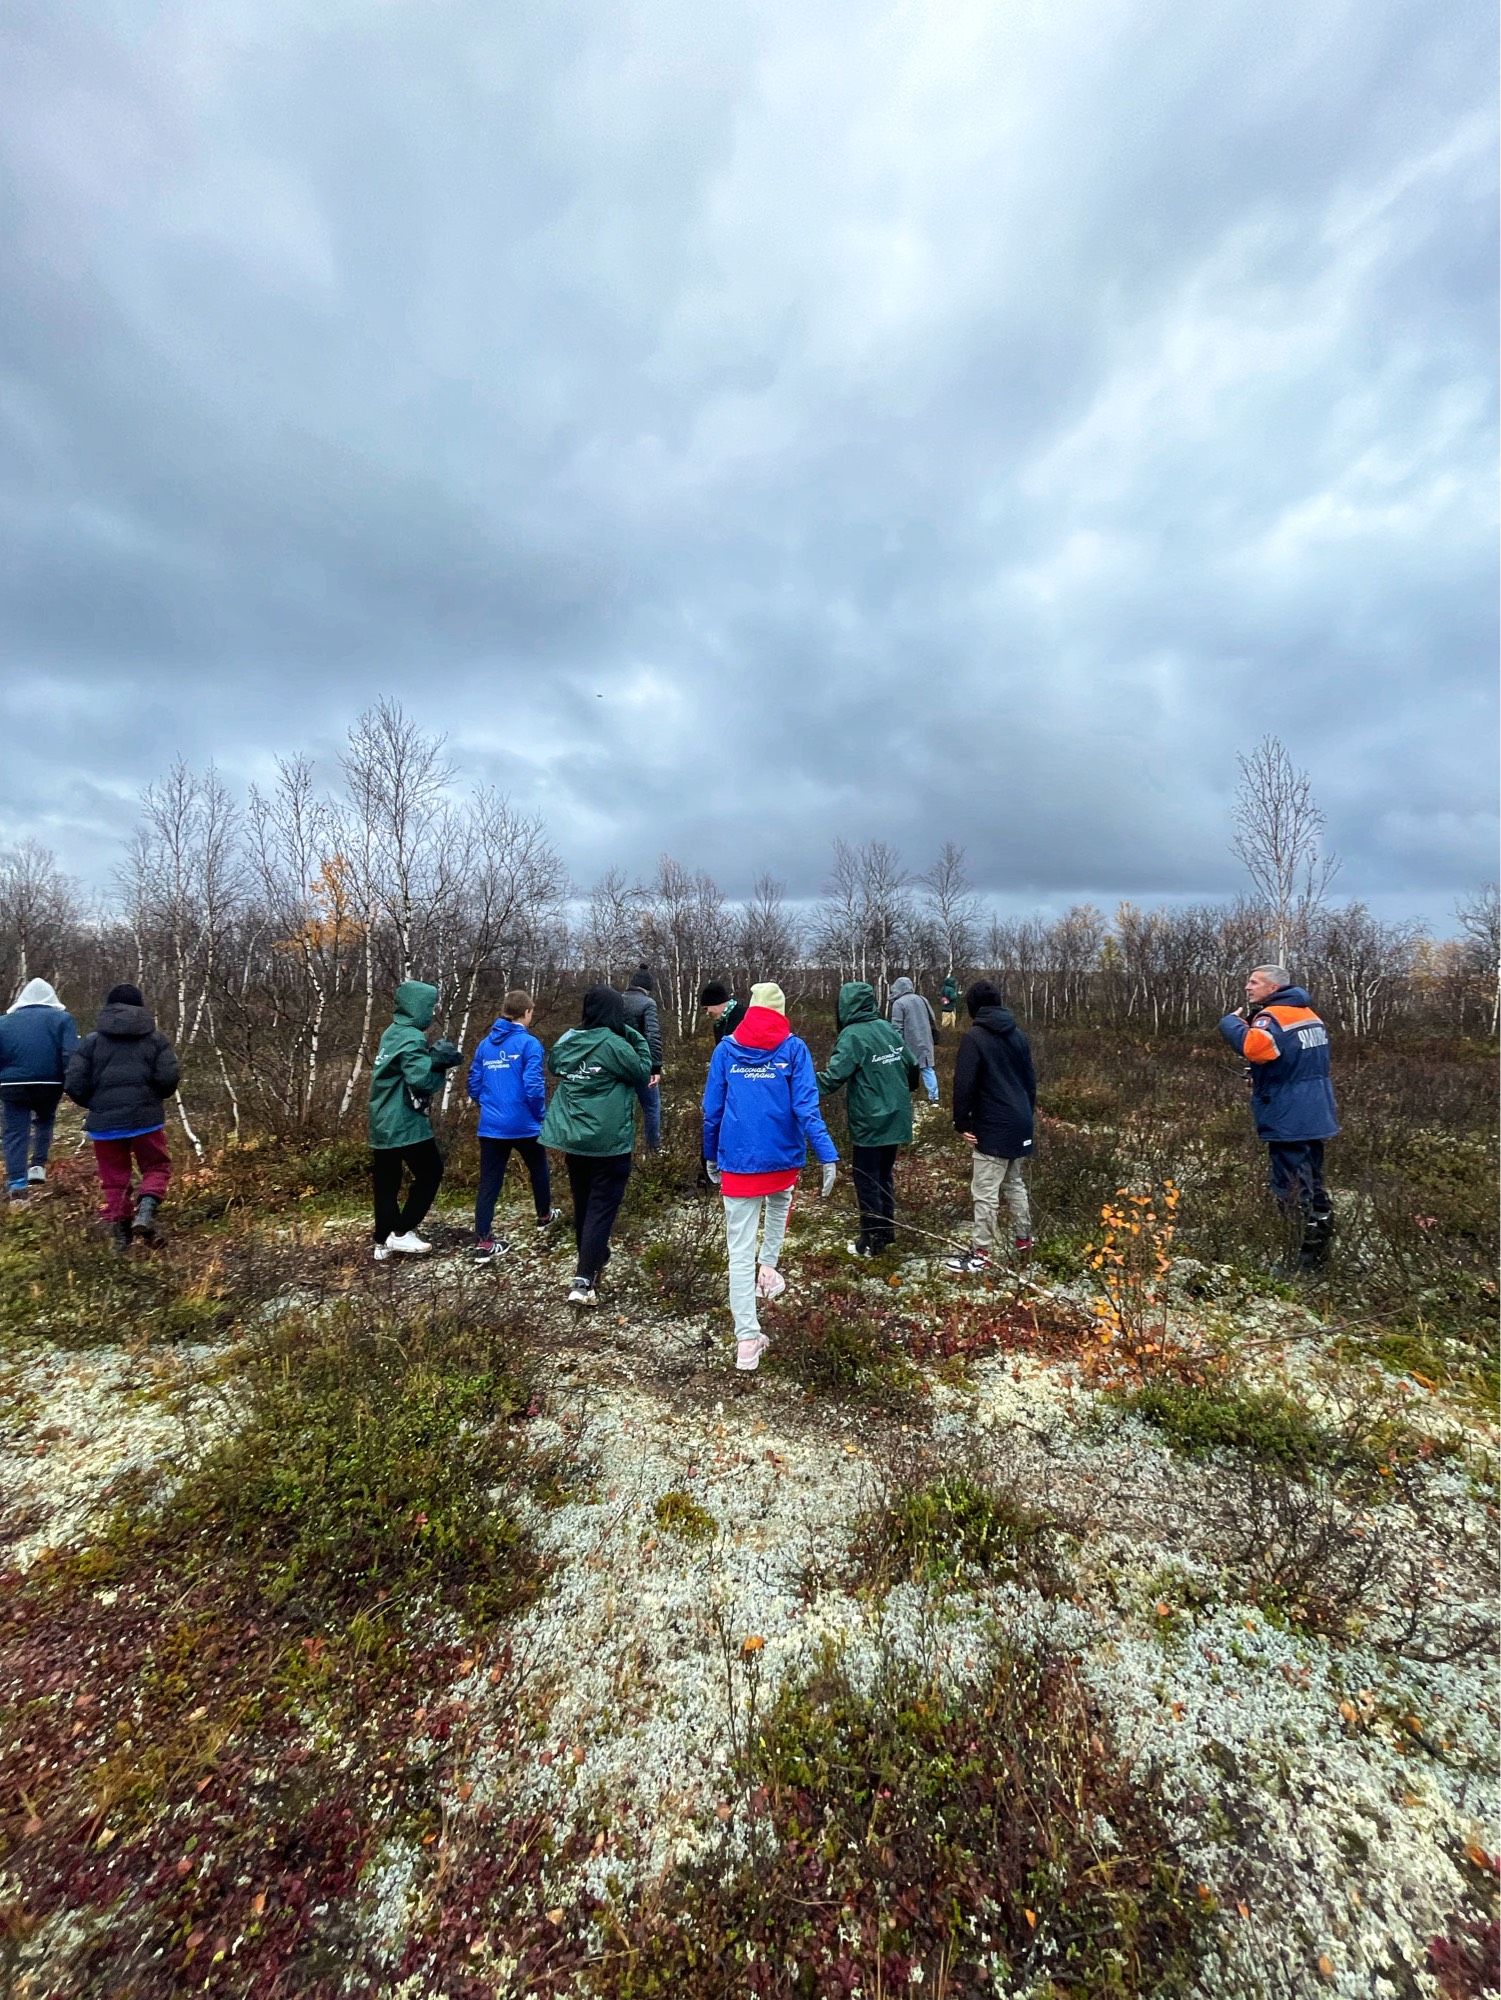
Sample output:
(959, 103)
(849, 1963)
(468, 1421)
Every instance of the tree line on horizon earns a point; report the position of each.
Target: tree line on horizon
(268, 932)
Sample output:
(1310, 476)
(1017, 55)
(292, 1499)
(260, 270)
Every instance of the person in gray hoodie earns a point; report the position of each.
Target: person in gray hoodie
(913, 1020)
(641, 1014)
(37, 1037)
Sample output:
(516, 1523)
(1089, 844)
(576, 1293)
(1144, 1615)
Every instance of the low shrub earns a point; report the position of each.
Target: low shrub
(909, 1835)
(948, 1528)
(835, 1348)
(680, 1514)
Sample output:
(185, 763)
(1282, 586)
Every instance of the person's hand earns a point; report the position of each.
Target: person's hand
(969, 1138)
(443, 1055)
(655, 1078)
(830, 1174)
(711, 1168)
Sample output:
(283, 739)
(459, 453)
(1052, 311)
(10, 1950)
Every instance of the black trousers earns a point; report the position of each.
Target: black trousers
(393, 1216)
(598, 1187)
(875, 1190)
(494, 1158)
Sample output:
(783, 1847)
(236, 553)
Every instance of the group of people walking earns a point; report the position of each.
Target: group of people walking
(762, 1114)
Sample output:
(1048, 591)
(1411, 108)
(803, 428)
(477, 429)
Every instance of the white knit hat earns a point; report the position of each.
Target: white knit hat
(769, 994)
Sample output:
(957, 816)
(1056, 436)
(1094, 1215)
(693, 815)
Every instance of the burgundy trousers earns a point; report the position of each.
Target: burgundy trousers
(113, 1158)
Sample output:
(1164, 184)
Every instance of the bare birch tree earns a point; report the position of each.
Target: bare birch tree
(1279, 832)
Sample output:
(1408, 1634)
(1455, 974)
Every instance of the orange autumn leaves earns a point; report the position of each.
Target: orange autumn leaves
(1131, 1261)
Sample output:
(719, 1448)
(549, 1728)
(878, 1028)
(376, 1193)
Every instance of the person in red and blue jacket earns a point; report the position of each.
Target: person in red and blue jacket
(760, 1117)
(1286, 1047)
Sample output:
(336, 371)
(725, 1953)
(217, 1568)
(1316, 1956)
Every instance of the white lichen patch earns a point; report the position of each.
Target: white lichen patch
(86, 1421)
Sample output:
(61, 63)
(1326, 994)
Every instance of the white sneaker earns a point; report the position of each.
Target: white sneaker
(748, 1353)
(769, 1282)
(37, 1175)
(582, 1293)
(382, 1252)
(409, 1245)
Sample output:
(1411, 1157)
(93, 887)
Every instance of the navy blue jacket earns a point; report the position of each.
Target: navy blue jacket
(995, 1086)
(35, 1044)
(1286, 1046)
(505, 1081)
(761, 1100)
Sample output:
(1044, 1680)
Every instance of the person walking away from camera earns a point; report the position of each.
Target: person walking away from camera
(505, 1081)
(761, 1115)
(641, 1014)
(37, 1038)
(122, 1074)
(601, 1066)
(408, 1070)
(949, 1000)
(1286, 1049)
(914, 1020)
(995, 1106)
(878, 1073)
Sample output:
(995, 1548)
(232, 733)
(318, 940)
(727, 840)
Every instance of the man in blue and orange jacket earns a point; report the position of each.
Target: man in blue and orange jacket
(1286, 1047)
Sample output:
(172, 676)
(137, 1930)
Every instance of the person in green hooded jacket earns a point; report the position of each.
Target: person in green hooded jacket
(600, 1065)
(407, 1070)
(875, 1068)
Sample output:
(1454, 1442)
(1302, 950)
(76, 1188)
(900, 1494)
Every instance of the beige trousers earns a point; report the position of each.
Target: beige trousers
(991, 1179)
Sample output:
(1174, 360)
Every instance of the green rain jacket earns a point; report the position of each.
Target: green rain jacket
(876, 1064)
(593, 1109)
(404, 1063)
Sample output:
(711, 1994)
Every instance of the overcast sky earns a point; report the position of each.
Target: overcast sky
(740, 424)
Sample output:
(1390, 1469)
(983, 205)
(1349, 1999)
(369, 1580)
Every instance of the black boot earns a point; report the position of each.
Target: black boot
(119, 1237)
(145, 1224)
(1318, 1228)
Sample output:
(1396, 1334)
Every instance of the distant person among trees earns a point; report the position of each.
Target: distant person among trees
(641, 1014)
(601, 1066)
(949, 1000)
(995, 1105)
(914, 1020)
(408, 1070)
(760, 1117)
(506, 1082)
(37, 1037)
(1286, 1047)
(877, 1069)
(123, 1074)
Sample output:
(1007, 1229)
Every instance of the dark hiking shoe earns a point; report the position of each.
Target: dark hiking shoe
(119, 1237)
(145, 1222)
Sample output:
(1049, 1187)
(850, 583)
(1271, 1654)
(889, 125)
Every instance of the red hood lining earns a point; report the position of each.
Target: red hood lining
(763, 1028)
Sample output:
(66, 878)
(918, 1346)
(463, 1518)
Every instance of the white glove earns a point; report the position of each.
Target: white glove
(711, 1168)
(831, 1169)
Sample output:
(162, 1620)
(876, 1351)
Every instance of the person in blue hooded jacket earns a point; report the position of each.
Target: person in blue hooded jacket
(506, 1082)
(37, 1037)
(1286, 1048)
(761, 1114)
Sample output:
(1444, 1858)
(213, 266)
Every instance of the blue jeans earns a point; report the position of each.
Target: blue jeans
(29, 1116)
(650, 1095)
(930, 1084)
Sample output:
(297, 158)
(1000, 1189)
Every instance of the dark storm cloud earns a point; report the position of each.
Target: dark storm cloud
(736, 427)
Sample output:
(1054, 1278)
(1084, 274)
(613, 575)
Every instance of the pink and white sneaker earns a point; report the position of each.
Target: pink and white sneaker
(748, 1353)
(769, 1282)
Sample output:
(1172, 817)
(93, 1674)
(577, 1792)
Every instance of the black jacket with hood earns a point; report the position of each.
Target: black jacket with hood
(123, 1073)
(641, 1014)
(995, 1085)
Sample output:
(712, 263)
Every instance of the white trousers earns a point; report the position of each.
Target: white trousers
(742, 1224)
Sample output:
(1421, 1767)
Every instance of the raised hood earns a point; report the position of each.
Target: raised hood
(857, 1002)
(416, 1002)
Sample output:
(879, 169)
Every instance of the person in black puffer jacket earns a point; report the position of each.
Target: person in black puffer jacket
(122, 1075)
(995, 1101)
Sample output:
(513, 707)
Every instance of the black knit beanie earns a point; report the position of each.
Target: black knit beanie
(984, 993)
(641, 980)
(714, 994)
(124, 996)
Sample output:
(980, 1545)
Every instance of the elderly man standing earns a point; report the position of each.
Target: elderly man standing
(1286, 1047)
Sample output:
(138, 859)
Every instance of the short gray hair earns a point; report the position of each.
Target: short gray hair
(1278, 972)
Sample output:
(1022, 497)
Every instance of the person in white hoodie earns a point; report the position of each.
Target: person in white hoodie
(37, 1037)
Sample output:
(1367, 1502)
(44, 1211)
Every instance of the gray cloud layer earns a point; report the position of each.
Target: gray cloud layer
(740, 425)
